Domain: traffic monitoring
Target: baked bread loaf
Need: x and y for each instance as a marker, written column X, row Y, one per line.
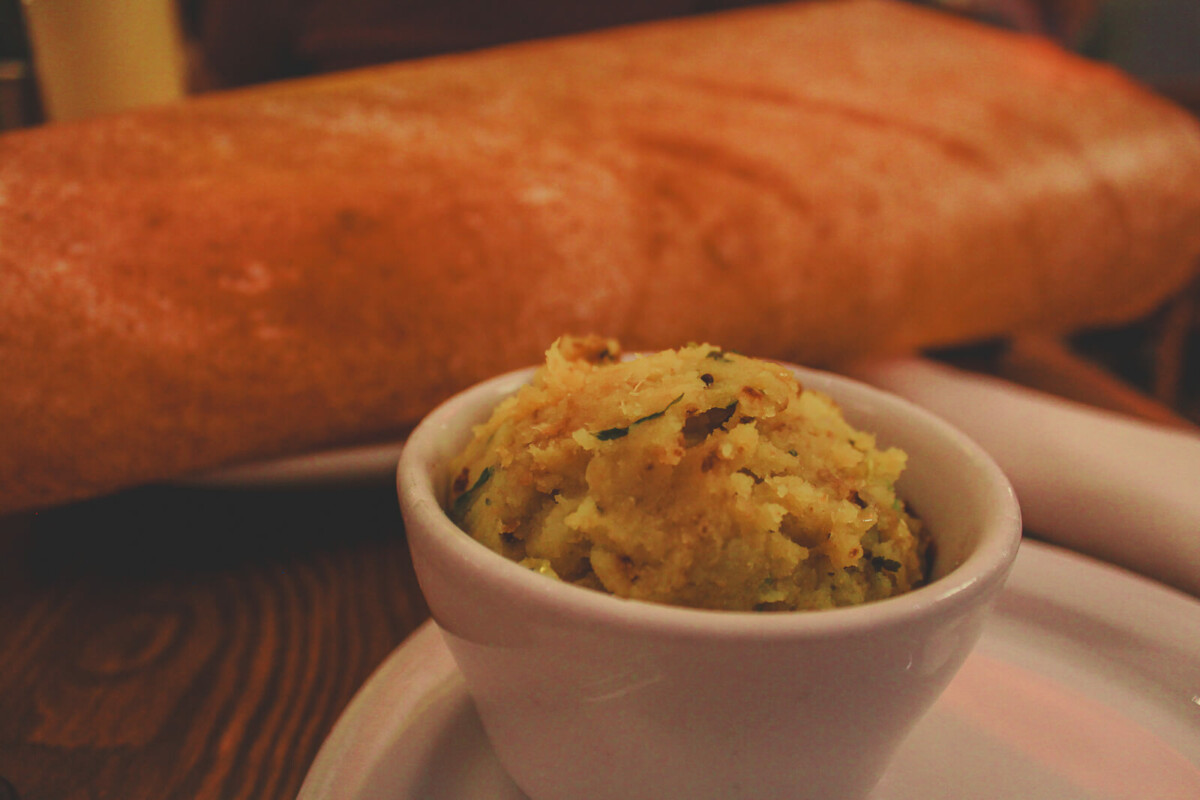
column 315, row 263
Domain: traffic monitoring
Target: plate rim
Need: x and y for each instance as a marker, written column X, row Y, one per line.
column 398, row 691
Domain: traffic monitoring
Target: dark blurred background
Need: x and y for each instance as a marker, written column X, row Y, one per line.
column 239, row 42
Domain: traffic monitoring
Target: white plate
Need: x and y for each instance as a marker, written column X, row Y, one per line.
column 1085, row 685
column 1086, row 478
column 351, row 466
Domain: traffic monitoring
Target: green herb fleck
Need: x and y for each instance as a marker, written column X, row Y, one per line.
column 658, row 414
column 608, row 434
column 461, row 503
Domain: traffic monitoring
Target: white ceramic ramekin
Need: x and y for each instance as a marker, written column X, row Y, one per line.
column 584, row 695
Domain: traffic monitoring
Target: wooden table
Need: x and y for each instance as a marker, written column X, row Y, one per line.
column 177, row 642
column 186, row 643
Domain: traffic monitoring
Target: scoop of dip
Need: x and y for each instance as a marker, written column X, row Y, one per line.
column 695, row 477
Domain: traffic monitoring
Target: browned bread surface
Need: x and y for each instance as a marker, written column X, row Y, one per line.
column 319, row 262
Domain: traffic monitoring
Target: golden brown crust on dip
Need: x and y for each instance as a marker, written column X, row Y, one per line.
column 694, row 477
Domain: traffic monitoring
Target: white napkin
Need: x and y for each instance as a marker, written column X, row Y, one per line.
column 1097, row 482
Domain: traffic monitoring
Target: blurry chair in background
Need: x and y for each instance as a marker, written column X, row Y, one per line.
column 250, row 41
column 1066, row 21
column 247, row 41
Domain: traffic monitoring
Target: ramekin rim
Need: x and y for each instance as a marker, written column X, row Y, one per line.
column 981, row 572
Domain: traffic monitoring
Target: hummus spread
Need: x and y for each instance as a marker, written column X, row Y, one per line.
column 696, row 477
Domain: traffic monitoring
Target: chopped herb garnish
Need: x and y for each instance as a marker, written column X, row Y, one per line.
column 608, row 434
column 879, row 562
column 658, row 414
column 718, row 355
column 464, row 500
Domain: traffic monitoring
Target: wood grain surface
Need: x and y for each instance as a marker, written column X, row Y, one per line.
column 182, row 643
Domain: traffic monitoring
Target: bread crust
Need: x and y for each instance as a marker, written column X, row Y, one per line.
column 318, row 262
